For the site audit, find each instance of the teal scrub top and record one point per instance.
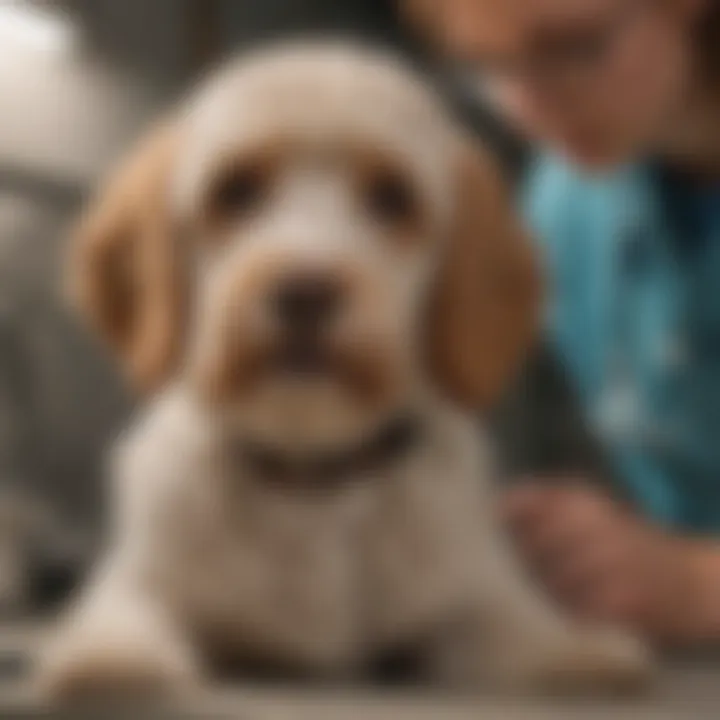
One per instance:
(633, 259)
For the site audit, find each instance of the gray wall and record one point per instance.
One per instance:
(66, 116)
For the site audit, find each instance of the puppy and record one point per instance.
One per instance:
(317, 279)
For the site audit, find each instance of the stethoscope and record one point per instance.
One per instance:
(621, 413)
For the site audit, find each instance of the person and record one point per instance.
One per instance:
(623, 98)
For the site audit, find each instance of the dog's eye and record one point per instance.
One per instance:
(390, 198)
(240, 191)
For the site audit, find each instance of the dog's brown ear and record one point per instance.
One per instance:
(124, 270)
(486, 306)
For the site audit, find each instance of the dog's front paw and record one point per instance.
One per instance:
(594, 662)
(85, 666)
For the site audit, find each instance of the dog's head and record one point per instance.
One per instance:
(309, 241)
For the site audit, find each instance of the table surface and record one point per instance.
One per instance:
(683, 690)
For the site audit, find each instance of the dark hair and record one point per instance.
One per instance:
(709, 39)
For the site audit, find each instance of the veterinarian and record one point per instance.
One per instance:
(624, 97)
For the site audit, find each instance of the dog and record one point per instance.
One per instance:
(314, 276)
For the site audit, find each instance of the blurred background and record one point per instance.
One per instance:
(79, 79)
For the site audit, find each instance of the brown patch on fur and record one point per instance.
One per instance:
(125, 274)
(234, 368)
(485, 311)
(231, 367)
(388, 191)
(238, 187)
(235, 358)
(371, 376)
(373, 169)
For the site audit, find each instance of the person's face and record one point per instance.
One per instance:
(597, 79)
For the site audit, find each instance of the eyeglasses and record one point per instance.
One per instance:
(565, 61)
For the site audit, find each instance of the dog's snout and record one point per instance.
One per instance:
(306, 301)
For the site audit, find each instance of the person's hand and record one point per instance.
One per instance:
(604, 563)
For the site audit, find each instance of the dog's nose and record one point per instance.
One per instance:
(307, 301)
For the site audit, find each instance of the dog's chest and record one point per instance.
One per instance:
(326, 579)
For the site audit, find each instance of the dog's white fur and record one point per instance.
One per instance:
(207, 563)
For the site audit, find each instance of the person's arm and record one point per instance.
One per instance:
(608, 564)
(703, 558)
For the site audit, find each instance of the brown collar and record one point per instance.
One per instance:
(328, 471)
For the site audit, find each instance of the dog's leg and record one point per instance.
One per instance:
(514, 639)
(116, 641)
